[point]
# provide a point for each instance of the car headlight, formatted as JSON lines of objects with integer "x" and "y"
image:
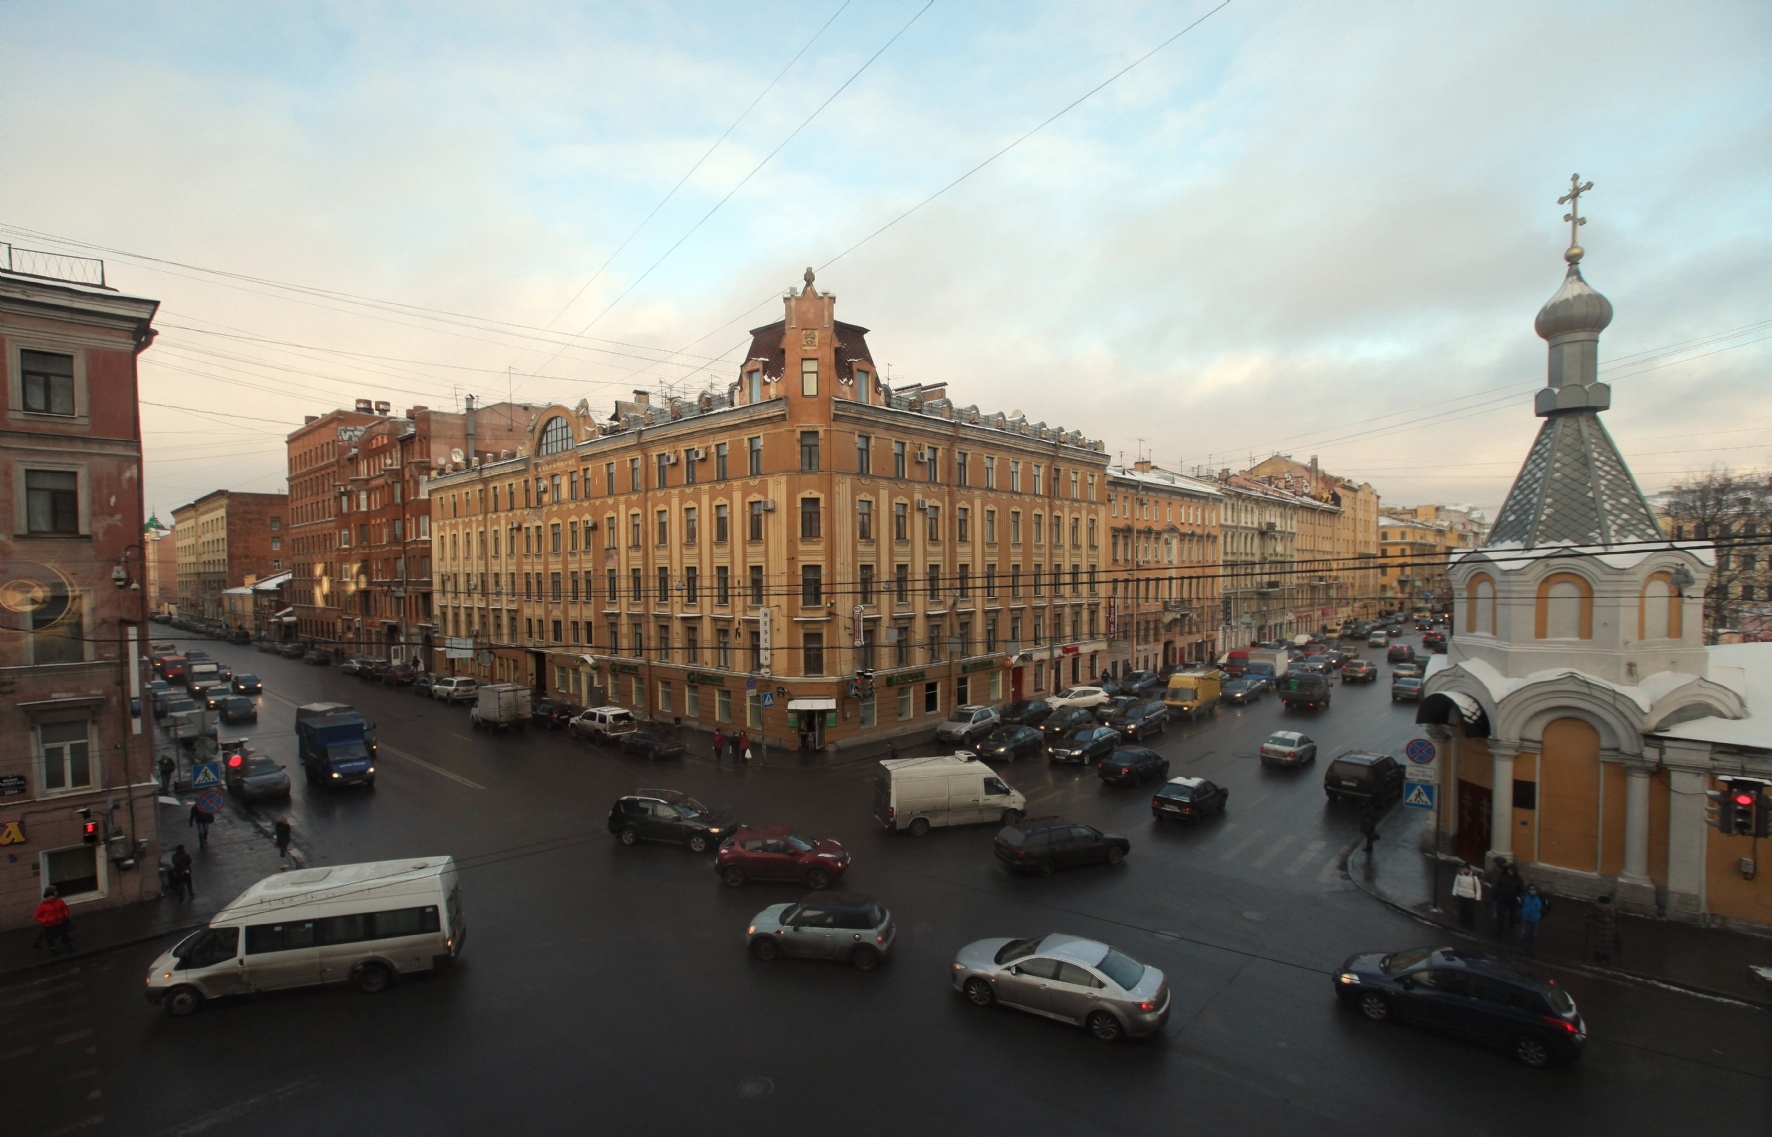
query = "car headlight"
{"x": 958, "y": 965}
{"x": 1347, "y": 977}
{"x": 335, "y": 773}
{"x": 751, "y": 931}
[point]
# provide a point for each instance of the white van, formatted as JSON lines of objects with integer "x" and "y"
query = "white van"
{"x": 949, "y": 789}
{"x": 363, "y": 924}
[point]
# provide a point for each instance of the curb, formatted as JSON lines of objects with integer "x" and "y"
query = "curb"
{"x": 134, "y": 941}
{"x": 1569, "y": 965}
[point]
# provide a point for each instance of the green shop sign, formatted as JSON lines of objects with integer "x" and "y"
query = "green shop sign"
{"x": 624, "y": 668}
{"x": 703, "y": 679}
{"x": 977, "y": 665}
{"x": 904, "y": 677}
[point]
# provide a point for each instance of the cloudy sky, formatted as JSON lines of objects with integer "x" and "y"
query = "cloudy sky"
{"x": 1311, "y": 228}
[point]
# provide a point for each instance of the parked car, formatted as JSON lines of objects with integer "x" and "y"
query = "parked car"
{"x": 1007, "y": 743}
{"x": 246, "y": 685}
{"x": 1087, "y": 746}
{"x": 1130, "y": 765}
{"x": 774, "y": 852}
{"x": 152, "y": 692}
{"x": 602, "y": 724}
{"x": 1241, "y": 692}
{"x": 1061, "y": 722}
{"x": 1141, "y": 719}
{"x": 399, "y": 675}
{"x": 267, "y": 645}
{"x": 1288, "y": 748}
{"x": 1188, "y": 799}
{"x": 1363, "y": 776}
{"x": 1047, "y": 844}
{"x": 373, "y": 669}
{"x": 237, "y": 709}
{"x": 1066, "y": 978}
{"x": 316, "y": 658}
{"x": 255, "y": 777}
{"x": 1079, "y": 697}
{"x": 1469, "y": 995}
{"x": 1138, "y": 682}
{"x": 293, "y": 651}
{"x": 855, "y": 929}
{"x": 1025, "y": 712}
{"x": 455, "y": 688}
{"x": 1358, "y": 671}
{"x": 553, "y": 714}
{"x": 351, "y": 666}
{"x": 967, "y": 723}
{"x": 1405, "y": 689}
{"x": 670, "y": 816}
{"x": 421, "y": 685}
{"x": 1400, "y": 653}
{"x": 651, "y": 745}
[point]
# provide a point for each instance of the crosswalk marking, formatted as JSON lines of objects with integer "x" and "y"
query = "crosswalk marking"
{"x": 1310, "y": 854}
{"x": 1330, "y": 871}
{"x": 1231, "y": 852}
{"x": 1279, "y": 847}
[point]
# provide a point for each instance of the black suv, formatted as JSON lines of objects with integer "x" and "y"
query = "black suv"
{"x": 1026, "y": 712}
{"x": 1088, "y": 746}
{"x": 669, "y": 816}
{"x": 1470, "y": 995}
{"x": 1131, "y": 765}
{"x": 1369, "y": 777}
{"x": 1061, "y": 722}
{"x": 553, "y": 714}
{"x": 1046, "y": 844}
{"x": 1138, "y": 682}
{"x": 1007, "y": 743}
{"x": 1142, "y": 719}
{"x": 651, "y": 745}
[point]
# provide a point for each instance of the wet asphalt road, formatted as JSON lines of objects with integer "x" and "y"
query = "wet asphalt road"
{"x": 606, "y": 989}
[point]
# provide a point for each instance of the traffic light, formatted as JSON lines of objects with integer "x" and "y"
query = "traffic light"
{"x": 1718, "y": 812}
{"x": 1743, "y": 797}
{"x": 235, "y": 761}
{"x": 1740, "y": 808}
{"x": 88, "y": 827}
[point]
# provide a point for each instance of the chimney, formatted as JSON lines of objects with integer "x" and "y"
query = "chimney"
{"x": 469, "y": 418}
{"x": 1143, "y": 465}
{"x": 414, "y": 412}
{"x": 382, "y": 407}
{"x": 364, "y": 407}
{"x": 644, "y": 398}
{"x": 310, "y": 418}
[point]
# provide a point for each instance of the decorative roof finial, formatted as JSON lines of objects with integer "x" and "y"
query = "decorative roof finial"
{"x": 1573, "y": 200}
{"x": 808, "y": 279}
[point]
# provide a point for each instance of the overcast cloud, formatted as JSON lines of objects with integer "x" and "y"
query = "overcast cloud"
{"x": 1321, "y": 229}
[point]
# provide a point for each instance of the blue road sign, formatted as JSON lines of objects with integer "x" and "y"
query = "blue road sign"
{"x": 1420, "y": 751}
{"x": 206, "y": 774}
{"x": 211, "y": 801}
{"x": 768, "y": 698}
{"x": 750, "y": 682}
{"x": 1420, "y": 795}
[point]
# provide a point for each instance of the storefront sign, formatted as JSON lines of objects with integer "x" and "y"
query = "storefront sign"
{"x": 702, "y": 678}
{"x": 904, "y": 677}
{"x": 624, "y": 668}
{"x": 12, "y": 833}
{"x": 977, "y": 665}
{"x": 12, "y": 785}
{"x": 458, "y": 647}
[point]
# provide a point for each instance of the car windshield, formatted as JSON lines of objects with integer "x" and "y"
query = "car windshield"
{"x": 1121, "y": 968}
{"x": 349, "y": 752}
{"x": 1560, "y": 1001}
{"x": 1179, "y": 793}
{"x": 1348, "y": 769}
{"x": 692, "y": 806}
{"x": 1404, "y": 960}
{"x": 1073, "y": 693}
{"x": 246, "y": 680}
{"x": 1018, "y": 949}
{"x": 800, "y": 843}
{"x": 1407, "y": 682}
{"x": 259, "y": 766}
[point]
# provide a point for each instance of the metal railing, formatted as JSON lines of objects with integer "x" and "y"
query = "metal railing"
{"x": 52, "y": 266}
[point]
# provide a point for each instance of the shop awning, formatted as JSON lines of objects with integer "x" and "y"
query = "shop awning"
{"x": 812, "y": 704}
{"x": 289, "y": 611}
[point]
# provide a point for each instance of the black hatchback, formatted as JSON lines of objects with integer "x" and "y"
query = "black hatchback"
{"x": 1046, "y": 844}
{"x": 1088, "y": 746}
{"x": 1007, "y": 743}
{"x": 1364, "y": 776}
{"x": 651, "y": 745}
{"x": 1025, "y": 712}
{"x": 1140, "y": 720}
{"x": 1064, "y": 720}
{"x": 672, "y": 817}
{"x": 1130, "y": 765}
{"x": 1470, "y": 995}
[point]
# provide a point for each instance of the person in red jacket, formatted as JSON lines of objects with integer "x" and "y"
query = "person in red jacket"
{"x": 52, "y": 916}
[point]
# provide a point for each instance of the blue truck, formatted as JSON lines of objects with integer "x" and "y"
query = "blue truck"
{"x": 336, "y": 744}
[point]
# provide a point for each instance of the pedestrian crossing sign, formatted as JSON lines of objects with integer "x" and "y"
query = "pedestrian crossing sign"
{"x": 1420, "y": 795}
{"x": 206, "y": 775}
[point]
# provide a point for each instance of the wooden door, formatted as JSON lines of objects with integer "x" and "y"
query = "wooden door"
{"x": 1475, "y": 805}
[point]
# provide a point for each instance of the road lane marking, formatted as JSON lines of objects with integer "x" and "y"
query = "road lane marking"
{"x": 1304, "y": 858}
{"x": 1279, "y": 847}
{"x": 19, "y": 1053}
{"x": 73, "y": 1036}
{"x": 405, "y": 757}
{"x": 1330, "y": 870}
{"x": 88, "y": 1123}
{"x": 1239, "y": 846}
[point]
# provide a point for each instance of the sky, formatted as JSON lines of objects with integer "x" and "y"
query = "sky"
{"x": 1309, "y": 229}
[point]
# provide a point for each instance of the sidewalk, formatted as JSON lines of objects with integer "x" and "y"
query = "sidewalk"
{"x": 239, "y": 855}
{"x": 698, "y": 742}
{"x": 1710, "y": 960}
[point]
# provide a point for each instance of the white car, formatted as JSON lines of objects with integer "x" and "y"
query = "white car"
{"x": 455, "y": 689}
{"x": 1077, "y": 697}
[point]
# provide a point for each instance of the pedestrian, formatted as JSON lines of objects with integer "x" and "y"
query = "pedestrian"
{"x": 202, "y": 821}
{"x": 280, "y": 831}
{"x": 52, "y": 918}
{"x": 1369, "y": 828}
{"x": 1509, "y": 887}
{"x": 891, "y": 751}
{"x": 743, "y": 746}
{"x": 719, "y": 746}
{"x": 181, "y": 874}
{"x": 168, "y": 767}
{"x": 1602, "y": 931}
{"x": 1467, "y": 888}
{"x": 1532, "y": 908}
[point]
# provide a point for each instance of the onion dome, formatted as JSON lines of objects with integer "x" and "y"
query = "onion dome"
{"x": 1576, "y": 308}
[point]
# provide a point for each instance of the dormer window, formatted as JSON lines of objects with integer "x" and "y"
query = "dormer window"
{"x": 754, "y": 385}
{"x": 809, "y": 378}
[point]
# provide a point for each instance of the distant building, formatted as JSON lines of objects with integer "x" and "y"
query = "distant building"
{"x": 1163, "y": 558}
{"x": 226, "y": 539}
{"x": 160, "y": 554}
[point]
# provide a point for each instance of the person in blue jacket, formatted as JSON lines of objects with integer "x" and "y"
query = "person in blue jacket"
{"x": 1532, "y": 908}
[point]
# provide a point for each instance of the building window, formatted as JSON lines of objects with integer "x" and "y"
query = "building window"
{"x": 809, "y": 377}
{"x": 901, "y": 577}
{"x": 864, "y": 457}
{"x": 813, "y": 643}
{"x": 962, "y": 524}
{"x": 553, "y": 537}
{"x": 722, "y": 705}
{"x": 904, "y": 703}
{"x": 990, "y": 473}
{"x": 52, "y": 501}
{"x": 933, "y": 580}
{"x": 723, "y": 649}
{"x": 754, "y": 446}
{"x": 898, "y": 460}
{"x": 608, "y": 483}
{"x": 866, "y": 584}
{"x": 961, "y": 461}
{"x": 756, "y": 529}
{"x": 664, "y": 585}
{"x": 932, "y": 463}
{"x": 722, "y": 585}
{"x": 556, "y": 630}
{"x": 964, "y": 589}
{"x": 689, "y": 525}
{"x": 47, "y": 381}
{"x": 663, "y": 470}
{"x": 719, "y": 461}
{"x": 556, "y": 436}
{"x": 636, "y": 587}
{"x": 808, "y": 450}
{"x": 58, "y": 627}
{"x": 934, "y": 524}
{"x": 932, "y": 698}
{"x": 692, "y": 585}
{"x": 664, "y": 697}
{"x": 756, "y": 584}
{"x": 809, "y": 519}
{"x": 811, "y": 585}
{"x": 689, "y": 467}
{"x": 664, "y": 526}
{"x": 864, "y": 520}
{"x": 901, "y": 512}
{"x": 633, "y": 475}
{"x": 65, "y": 754}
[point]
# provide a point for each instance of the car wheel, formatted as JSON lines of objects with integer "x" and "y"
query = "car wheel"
{"x": 732, "y": 875}
{"x": 765, "y": 948}
{"x": 979, "y": 992}
{"x": 1115, "y": 854}
{"x": 698, "y": 842}
{"x": 1375, "y": 1007}
{"x": 1011, "y": 816}
{"x": 817, "y": 879}
{"x": 864, "y": 958}
{"x": 373, "y": 979}
{"x": 182, "y": 1001}
{"x": 919, "y": 826}
{"x": 1105, "y": 1027}
{"x": 1047, "y": 868}
{"x": 1530, "y": 1050}
{"x": 627, "y": 836}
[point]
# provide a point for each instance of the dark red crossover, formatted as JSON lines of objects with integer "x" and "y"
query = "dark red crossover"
{"x": 776, "y": 853}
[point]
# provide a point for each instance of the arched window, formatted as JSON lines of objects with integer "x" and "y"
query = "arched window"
{"x": 1565, "y": 608}
{"x": 556, "y": 435}
{"x": 1658, "y": 609}
{"x": 1480, "y": 605}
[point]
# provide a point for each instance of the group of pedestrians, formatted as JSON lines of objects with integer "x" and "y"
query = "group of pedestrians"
{"x": 1517, "y": 910}
{"x": 734, "y": 746}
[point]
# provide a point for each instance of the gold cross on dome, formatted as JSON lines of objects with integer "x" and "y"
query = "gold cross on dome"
{"x": 1573, "y": 200}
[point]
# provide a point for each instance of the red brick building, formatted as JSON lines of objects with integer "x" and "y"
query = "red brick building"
{"x": 72, "y": 591}
{"x": 236, "y": 539}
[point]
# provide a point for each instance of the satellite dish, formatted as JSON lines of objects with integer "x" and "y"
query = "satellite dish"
{"x": 455, "y": 454}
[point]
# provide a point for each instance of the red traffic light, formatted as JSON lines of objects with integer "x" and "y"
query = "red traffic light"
{"x": 89, "y": 832}
{"x": 1745, "y": 800}
{"x": 235, "y": 760}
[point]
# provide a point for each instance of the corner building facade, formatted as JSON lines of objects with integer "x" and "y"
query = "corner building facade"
{"x": 812, "y": 556}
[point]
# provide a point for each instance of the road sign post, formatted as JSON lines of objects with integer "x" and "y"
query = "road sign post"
{"x": 212, "y": 801}
{"x": 1422, "y": 791}
{"x": 206, "y": 775}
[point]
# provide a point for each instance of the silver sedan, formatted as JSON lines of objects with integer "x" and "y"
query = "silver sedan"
{"x": 1067, "y": 978}
{"x": 1288, "y": 748}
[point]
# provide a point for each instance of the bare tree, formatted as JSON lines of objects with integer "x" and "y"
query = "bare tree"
{"x": 1735, "y": 511}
